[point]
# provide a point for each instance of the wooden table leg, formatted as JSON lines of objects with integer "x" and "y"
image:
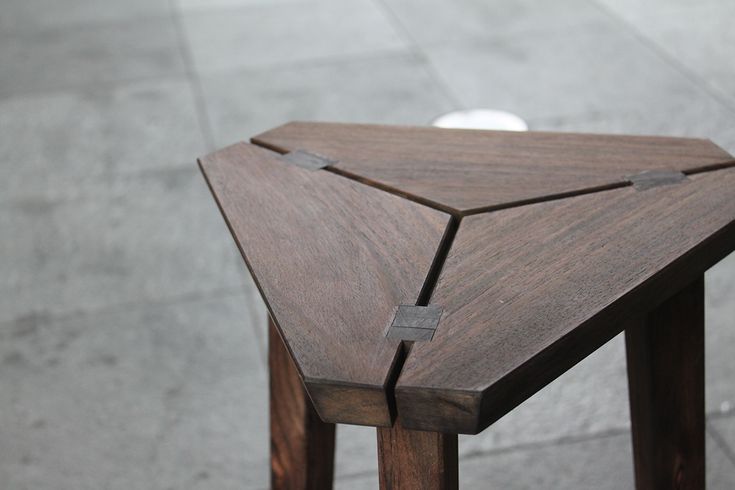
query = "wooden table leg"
{"x": 665, "y": 354}
{"x": 416, "y": 460}
{"x": 302, "y": 446}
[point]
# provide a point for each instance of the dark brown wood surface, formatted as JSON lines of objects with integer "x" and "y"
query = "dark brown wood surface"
{"x": 302, "y": 446}
{"x": 332, "y": 258}
{"x": 528, "y": 292}
{"x": 468, "y": 171}
{"x": 417, "y": 460}
{"x": 665, "y": 352}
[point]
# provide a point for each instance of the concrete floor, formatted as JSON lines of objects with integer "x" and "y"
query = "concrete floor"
{"x": 132, "y": 345}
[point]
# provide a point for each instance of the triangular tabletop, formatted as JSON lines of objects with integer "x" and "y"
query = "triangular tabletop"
{"x": 548, "y": 244}
{"x": 468, "y": 171}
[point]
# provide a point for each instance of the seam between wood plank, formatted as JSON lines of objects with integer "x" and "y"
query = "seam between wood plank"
{"x": 369, "y": 182}
{"x": 709, "y": 168}
{"x": 459, "y": 213}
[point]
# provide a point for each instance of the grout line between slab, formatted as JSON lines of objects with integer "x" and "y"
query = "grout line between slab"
{"x": 445, "y": 244}
{"x": 195, "y": 82}
{"x": 722, "y": 98}
{"x": 190, "y": 297}
{"x": 530, "y": 446}
{"x": 721, "y": 442}
{"x": 420, "y": 54}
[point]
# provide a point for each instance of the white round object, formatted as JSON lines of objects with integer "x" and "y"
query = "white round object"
{"x": 481, "y": 119}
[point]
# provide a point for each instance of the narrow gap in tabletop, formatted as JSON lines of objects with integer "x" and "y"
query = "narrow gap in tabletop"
{"x": 709, "y": 168}
{"x": 404, "y": 348}
{"x": 366, "y": 181}
{"x": 548, "y": 197}
{"x": 445, "y": 244}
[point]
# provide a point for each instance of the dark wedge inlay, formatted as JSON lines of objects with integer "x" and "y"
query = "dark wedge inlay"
{"x": 654, "y": 178}
{"x": 310, "y": 161}
{"x": 415, "y": 323}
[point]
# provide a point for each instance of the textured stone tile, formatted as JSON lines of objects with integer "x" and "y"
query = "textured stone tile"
{"x": 637, "y": 12}
{"x": 721, "y": 456}
{"x": 98, "y": 401}
{"x": 431, "y": 22}
{"x": 148, "y": 237}
{"x": 603, "y": 463}
{"x": 720, "y": 336}
{"x": 217, "y": 433}
{"x": 198, "y": 5}
{"x": 591, "y": 68}
{"x": 63, "y": 138}
{"x": 395, "y": 90}
{"x": 261, "y": 35}
{"x": 702, "y": 117}
{"x": 35, "y": 14}
{"x": 724, "y": 429}
{"x": 361, "y": 482}
{"x": 88, "y": 54}
{"x": 599, "y": 463}
{"x": 699, "y": 35}
{"x": 357, "y": 451}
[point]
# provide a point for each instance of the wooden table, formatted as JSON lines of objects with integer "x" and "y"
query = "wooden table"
{"x": 427, "y": 281}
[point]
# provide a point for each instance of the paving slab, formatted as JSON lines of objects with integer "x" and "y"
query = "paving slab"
{"x": 698, "y": 35}
{"x": 270, "y": 34}
{"x": 396, "y": 89}
{"x": 88, "y": 54}
{"x": 25, "y": 15}
{"x": 433, "y": 22}
{"x": 216, "y": 435}
{"x": 723, "y": 428}
{"x": 594, "y": 67}
{"x": 720, "y": 337}
{"x": 601, "y": 463}
{"x": 702, "y": 117}
{"x": 100, "y": 400}
{"x": 147, "y": 237}
{"x": 198, "y": 5}
{"x": 59, "y": 139}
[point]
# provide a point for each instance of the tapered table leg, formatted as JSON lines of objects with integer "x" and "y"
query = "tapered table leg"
{"x": 665, "y": 354}
{"x": 416, "y": 460}
{"x": 302, "y": 446}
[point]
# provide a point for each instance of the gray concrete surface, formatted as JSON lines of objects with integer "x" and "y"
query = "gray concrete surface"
{"x": 132, "y": 341}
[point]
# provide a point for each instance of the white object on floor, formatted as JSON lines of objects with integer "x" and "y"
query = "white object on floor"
{"x": 481, "y": 119}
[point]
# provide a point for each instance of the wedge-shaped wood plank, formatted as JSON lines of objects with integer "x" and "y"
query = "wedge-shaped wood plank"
{"x": 468, "y": 171}
{"x": 333, "y": 259}
{"x": 530, "y": 291}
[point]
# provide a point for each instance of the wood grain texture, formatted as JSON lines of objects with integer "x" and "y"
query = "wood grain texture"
{"x": 302, "y": 446}
{"x": 416, "y": 460}
{"x": 530, "y": 291}
{"x": 467, "y": 171}
{"x": 665, "y": 352}
{"x": 332, "y": 259}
